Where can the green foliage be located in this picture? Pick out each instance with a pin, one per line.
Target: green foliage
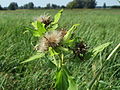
(67, 37)
(53, 27)
(39, 29)
(72, 4)
(13, 6)
(104, 5)
(52, 52)
(82, 4)
(118, 1)
(34, 57)
(96, 27)
(100, 48)
(72, 84)
(64, 81)
(57, 17)
(1, 7)
(30, 5)
(61, 80)
(90, 86)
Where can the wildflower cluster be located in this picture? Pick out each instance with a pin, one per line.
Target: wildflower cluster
(55, 43)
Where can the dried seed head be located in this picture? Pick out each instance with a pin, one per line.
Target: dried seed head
(45, 19)
(80, 48)
(51, 39)
(63, 32)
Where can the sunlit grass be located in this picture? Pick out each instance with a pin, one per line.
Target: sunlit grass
(96, 27)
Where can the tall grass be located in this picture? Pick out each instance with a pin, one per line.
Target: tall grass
(16, 45)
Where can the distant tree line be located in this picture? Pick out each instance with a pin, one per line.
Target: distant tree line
(115, 6)
(82, 4)
(71, 5)
(53, 6)
(30, 5)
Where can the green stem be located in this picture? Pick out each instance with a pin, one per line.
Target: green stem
(118, 46)
(55, 60)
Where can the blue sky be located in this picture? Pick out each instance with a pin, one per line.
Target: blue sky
(42, 3)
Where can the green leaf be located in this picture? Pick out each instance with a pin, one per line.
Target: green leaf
(71, 81)
(54, 27)
(100, 48)
(52, 52)
(69, 33)
(34, 57)
(64, 81)
(63, 49)
(72, 84)
(70, 42)
(39, 29)
(57, 17)
(103, 82)
(61, 80)
(36, 33)
(35, 25)
(88, 55)
(51, 64)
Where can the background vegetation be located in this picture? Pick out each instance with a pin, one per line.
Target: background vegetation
(71, 5)
(16, 45)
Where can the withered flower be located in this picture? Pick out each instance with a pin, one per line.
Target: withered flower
(80, 50)
(46, 19)
(50, 39)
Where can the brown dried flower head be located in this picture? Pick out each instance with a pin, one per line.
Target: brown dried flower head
(46, 19)
(50, 39)
(80, 48)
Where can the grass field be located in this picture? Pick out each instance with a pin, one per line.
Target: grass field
(96, 27)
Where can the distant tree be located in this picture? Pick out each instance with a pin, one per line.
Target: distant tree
(1, 7)
(104, 5)
(30, 5)
(90, 4)
(54, 6)
(58, 6)
(25, 6)
(13, 6)
(63, 6)
(39, 7)
(48, 6)
(118, 1)
(71, 4)
(82, 4)
(21, 7)
(5, 8)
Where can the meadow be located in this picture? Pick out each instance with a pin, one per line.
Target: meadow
(16, 45)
